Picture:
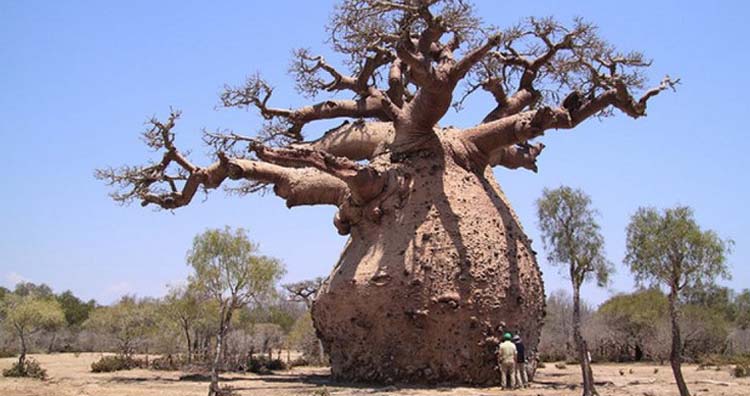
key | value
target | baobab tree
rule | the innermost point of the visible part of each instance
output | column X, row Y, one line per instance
column 436, row 258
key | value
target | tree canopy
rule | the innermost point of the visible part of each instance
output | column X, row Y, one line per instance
column 407, row 62
column 229, row 269
column 668, row 247
column 571, row 234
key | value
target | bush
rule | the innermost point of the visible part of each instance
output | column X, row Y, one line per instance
column 167, row 363
column 300, row 361
column 108, row 364
column 560, row 366
column 263, row 365
column 4, row 353
column 741, row 371
column 723, row 360
column 30, row 368
column 227, row 390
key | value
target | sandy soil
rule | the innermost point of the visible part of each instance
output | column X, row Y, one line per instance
column 70, row 375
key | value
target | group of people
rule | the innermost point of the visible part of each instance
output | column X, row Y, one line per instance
column 512, row 362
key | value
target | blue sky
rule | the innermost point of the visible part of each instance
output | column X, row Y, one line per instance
column 78, row 79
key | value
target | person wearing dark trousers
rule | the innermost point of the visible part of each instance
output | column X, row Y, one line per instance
column 521, row 376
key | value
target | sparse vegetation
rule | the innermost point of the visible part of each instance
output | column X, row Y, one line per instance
column 28, row 368
column 264, row 365
column 108, row 364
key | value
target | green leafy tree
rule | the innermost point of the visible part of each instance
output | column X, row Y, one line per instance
column 302, row 337
column 3, row 292
column 669, row 248
column 183, row 305
column 28, row 314
column 41, row 290
column 742, row 308
column 129, row 322
column 635, row 316
column 76, row 311
column 571, row 236
column 229, row 270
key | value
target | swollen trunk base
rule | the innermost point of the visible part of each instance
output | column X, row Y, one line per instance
column 418, row 297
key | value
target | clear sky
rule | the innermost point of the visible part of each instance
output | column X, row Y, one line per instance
column 79, row 78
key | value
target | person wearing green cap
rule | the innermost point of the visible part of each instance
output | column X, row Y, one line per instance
column 507, row 361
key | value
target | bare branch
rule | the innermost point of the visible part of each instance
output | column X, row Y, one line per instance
column 356, row 141
column 364, row 182
column 521, row 155
column 298, row 186
column 522, row 127
column 473, row 57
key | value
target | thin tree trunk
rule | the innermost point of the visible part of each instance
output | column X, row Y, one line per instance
column 583, row 353
column 51, row 345
column 189, row 344
column 675, row 355
column 226, row 318
column 22, row 358
column 321, row 353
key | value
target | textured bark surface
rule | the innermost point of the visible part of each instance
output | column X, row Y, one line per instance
column 418, row 296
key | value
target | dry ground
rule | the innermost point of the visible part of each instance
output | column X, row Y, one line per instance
column 70, row 375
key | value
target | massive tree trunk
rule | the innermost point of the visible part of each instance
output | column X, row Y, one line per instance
column 416, row 296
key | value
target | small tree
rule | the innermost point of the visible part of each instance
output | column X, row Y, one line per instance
column 571, row 235
column 305, row 291
column 742, row 309
column 183, row 306
column 302, row 337
column 669, row 248
column 129, row 323
column 229, row 270
column 76, row 311
column 635, row 317
column 28, row 314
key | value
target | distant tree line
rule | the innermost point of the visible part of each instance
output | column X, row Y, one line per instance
column 635, row 326
column 180, row 323
column 230, row 314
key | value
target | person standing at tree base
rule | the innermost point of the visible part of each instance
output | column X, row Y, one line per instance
column 521, row 376
column 507, row 360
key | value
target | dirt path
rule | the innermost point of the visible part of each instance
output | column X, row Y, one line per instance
column 70, row 375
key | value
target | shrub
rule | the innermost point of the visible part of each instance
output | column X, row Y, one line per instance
column 300, row 361
column 741, row 371
column 30, row 368
column 227, row 390
column 108, row 364
column 322, row 392
column 560, row 366
column 4, row 353
column 263, row 365
column 167, row 363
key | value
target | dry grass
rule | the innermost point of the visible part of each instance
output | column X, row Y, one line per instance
column 70, row 375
